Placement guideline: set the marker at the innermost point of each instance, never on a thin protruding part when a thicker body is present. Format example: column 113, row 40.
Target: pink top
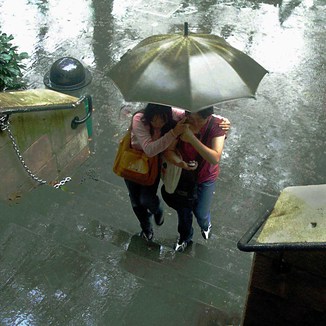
column 152, row 145
column 208, row 172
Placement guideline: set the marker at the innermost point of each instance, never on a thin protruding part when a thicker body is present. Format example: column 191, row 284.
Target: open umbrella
column 189, row 71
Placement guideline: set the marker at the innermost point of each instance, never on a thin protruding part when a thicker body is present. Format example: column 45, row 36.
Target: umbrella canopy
column 189, row 71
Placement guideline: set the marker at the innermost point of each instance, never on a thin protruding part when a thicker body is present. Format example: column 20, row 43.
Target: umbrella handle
column 186, row 30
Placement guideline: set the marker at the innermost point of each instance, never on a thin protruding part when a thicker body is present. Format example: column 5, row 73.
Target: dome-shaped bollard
column 67, row 74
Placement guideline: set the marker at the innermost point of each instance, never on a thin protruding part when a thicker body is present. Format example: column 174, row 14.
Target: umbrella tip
column 186, row 31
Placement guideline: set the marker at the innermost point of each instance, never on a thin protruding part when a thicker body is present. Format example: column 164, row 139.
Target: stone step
column 156, row 252
column 154, row 306
column 221, row 248
column 150, row 262
column 107, row 190
column 79, row 258
column 92, row 215
column 212, row 270
column 215, row 251
column 42, row 282
column 108, row 194
column 84, row 223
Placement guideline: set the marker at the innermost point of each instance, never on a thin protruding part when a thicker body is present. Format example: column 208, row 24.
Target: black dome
column 67, row 74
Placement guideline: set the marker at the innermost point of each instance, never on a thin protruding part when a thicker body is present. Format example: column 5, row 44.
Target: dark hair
column 205, row 113
column 164, row 111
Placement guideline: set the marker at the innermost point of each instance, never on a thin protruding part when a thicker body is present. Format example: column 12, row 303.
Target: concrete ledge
column 47, row 143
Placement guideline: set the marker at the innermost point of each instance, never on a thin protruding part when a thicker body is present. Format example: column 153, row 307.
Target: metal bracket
column 89, row 107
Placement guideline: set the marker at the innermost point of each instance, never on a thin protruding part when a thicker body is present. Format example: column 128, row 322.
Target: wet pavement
column 72, row 257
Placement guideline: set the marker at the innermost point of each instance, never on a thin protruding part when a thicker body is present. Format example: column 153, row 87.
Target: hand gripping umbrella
column 189, row 71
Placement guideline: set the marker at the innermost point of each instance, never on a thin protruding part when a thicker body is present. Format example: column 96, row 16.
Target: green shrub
column 10, row 64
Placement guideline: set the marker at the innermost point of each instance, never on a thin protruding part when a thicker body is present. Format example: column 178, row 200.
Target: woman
column 210, row 151
column 153, row 130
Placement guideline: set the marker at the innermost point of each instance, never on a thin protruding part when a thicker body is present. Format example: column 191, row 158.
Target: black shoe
column 148, row 236
column 158, row 217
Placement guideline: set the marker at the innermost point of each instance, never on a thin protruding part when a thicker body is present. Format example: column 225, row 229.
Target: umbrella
column 189, row 71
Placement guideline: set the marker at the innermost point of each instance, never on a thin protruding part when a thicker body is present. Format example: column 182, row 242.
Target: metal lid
column 67, row 74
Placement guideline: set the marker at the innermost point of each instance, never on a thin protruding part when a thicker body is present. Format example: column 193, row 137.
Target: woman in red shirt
column 191, row 147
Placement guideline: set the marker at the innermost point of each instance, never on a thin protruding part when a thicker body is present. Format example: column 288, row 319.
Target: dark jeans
column 144, row 202
column 201, row 210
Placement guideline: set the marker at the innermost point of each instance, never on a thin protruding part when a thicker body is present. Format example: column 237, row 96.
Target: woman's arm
column 172, row 155
column 211, row 155
column 147, row 144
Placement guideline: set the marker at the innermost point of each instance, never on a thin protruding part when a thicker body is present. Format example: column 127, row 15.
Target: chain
column 4, row 126
column 62, row 182
column 3, row 122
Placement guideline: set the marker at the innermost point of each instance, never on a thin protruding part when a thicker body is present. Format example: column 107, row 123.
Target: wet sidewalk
column 76, row 260
column 73, row 257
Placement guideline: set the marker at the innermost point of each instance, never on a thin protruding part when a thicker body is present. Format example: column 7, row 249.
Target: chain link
column 5, row 126
column 62, row 182
column 3, row 122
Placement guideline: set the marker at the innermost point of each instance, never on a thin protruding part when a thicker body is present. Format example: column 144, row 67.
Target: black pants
column 144, row 202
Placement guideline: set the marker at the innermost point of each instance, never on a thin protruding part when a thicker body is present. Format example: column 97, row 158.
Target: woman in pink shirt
column 153, row 130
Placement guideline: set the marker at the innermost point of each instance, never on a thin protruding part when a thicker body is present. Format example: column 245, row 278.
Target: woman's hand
column 225, row 124
column 190, row 166
column 188, row 135
column 180, row 127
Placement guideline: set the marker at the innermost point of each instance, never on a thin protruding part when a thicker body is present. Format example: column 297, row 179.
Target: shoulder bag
column 170, row 175
column 133, row 164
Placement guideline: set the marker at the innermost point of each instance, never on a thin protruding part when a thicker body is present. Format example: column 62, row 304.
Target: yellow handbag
column 134, row 165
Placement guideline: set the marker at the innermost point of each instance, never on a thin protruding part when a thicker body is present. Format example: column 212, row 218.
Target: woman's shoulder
column 217, row 118
column 137, row 121
column 137, row 117
column 216, row 130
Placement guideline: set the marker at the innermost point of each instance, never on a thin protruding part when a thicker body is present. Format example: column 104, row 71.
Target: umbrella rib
column 246, row 69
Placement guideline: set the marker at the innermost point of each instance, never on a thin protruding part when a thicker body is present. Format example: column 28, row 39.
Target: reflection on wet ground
column 75, row 257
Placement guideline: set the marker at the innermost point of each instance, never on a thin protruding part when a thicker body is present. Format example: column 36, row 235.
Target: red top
column 208, row 172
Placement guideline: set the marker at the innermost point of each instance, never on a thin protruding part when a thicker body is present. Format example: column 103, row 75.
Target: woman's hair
column 206, row 112
column 163, row 111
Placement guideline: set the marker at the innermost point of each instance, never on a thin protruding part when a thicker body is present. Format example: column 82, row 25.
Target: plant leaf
column 5, row 57
column 23, row 55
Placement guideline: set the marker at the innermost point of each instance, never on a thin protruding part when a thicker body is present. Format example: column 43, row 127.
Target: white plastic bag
column 170, row 175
